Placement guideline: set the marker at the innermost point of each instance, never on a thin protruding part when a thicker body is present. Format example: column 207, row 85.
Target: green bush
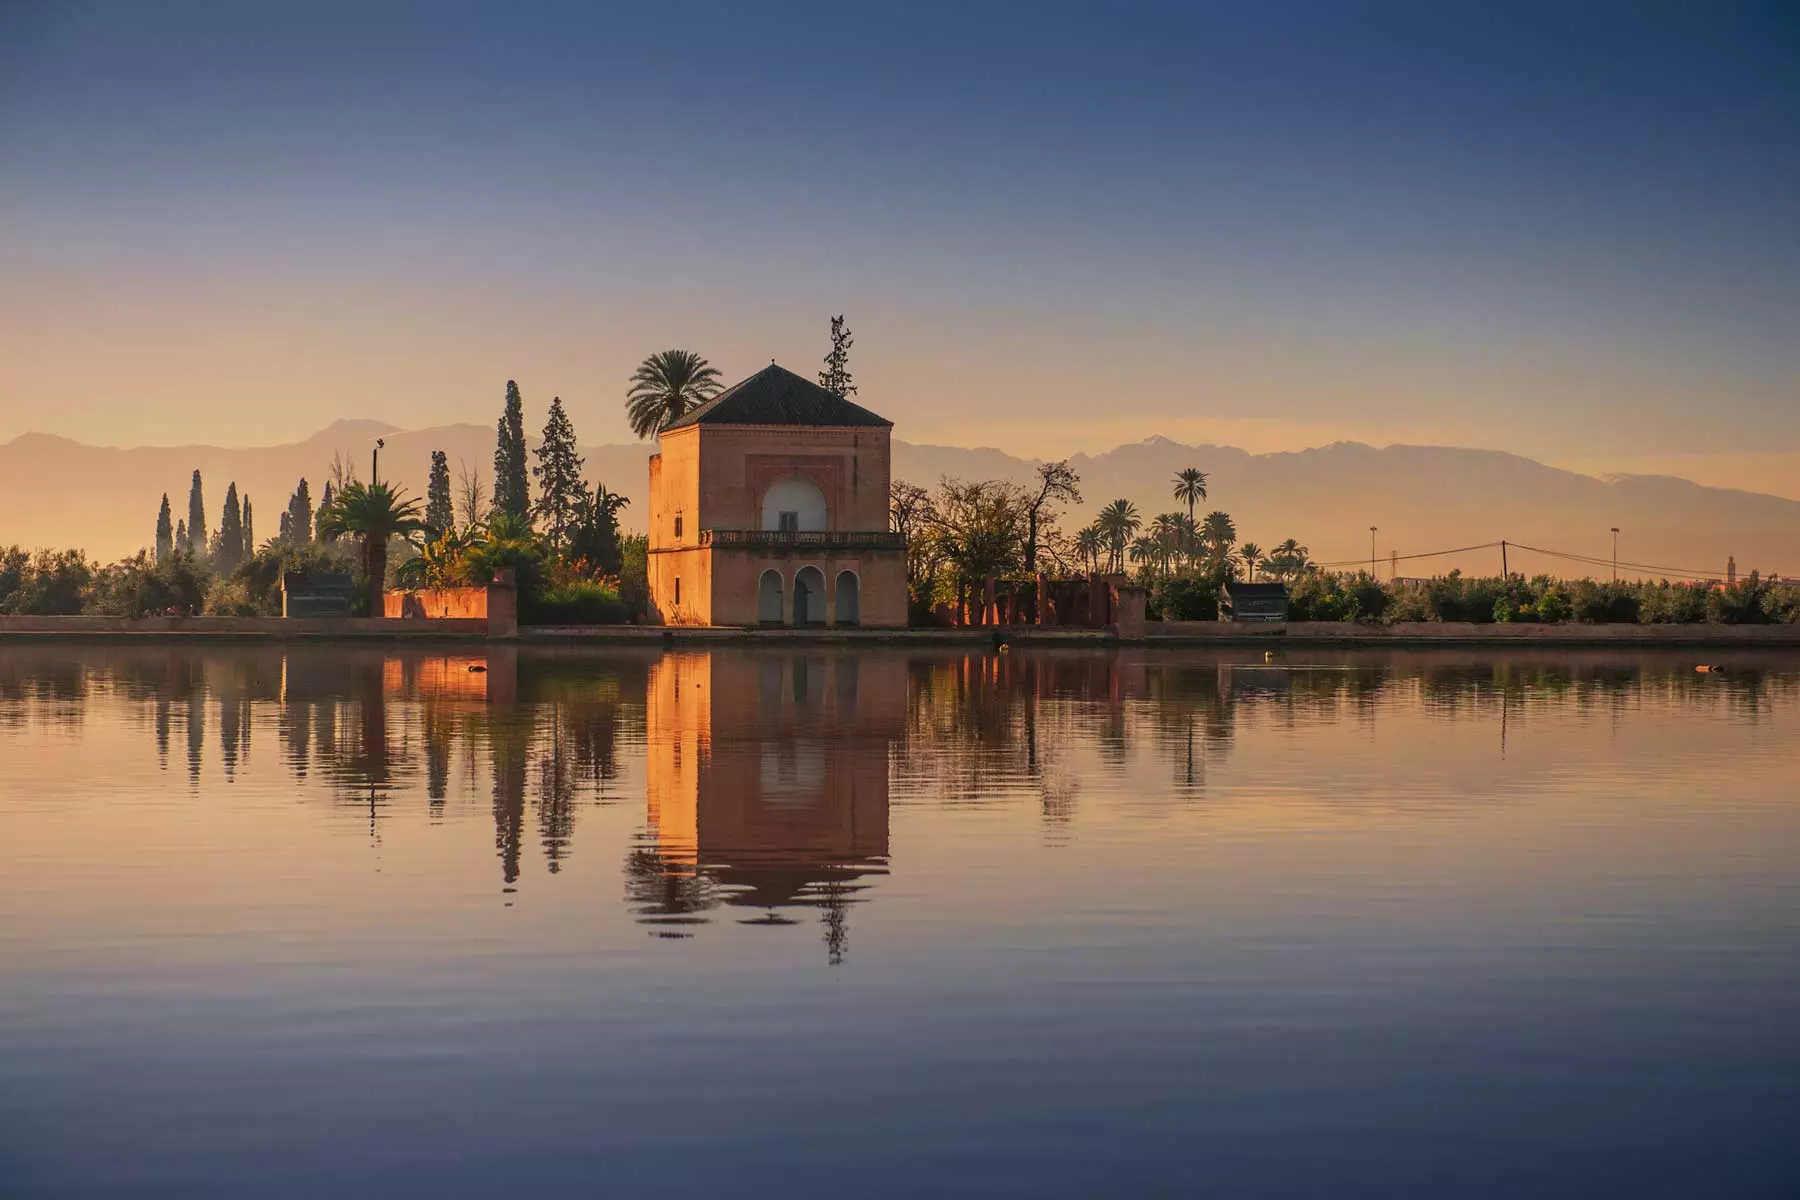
column 1185, row 598
column 1554, row 606
column 49, row 583
column 142, row 587
column 578, row 602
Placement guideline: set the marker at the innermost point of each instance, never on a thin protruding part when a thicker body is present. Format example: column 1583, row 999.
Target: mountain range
column 58, row 492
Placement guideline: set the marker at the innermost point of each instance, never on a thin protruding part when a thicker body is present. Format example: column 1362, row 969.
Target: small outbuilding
column 1261, row 602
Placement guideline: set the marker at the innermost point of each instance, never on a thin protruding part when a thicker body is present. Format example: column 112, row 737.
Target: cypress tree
column 512, row 490
column 165, row 532
column 325, row 503
column 231, row 531
column 249, row 529
column 440, row 511
column 196, row 519
column 297, row 525
column 287, row 527
column 181, row 538
column 562, row 496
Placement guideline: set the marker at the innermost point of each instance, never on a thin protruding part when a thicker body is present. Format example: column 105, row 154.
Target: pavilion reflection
column 766, row 787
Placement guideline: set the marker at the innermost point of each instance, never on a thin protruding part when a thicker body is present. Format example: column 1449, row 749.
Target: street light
column 1371, row 552
column 1615, row 533
column 375, row 462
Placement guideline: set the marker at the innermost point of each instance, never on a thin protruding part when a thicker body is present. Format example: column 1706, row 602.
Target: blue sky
column 1569, row 230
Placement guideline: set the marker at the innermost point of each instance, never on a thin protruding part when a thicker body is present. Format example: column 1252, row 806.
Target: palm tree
column 1087, row 545
column 1219, row 534
column 1168, row 530
column 1190, row 487
column 374, row 512
column 1288, row 559
column 1251, row 554
column 665, row 387
column 1117, row 522
column 1144, row 550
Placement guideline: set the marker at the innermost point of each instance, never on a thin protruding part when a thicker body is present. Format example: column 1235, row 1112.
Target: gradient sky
column 1568, row 230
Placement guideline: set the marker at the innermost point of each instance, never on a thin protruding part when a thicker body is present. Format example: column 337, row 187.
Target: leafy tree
column 297, row 528
column 48, row 583
column 665, row 387
column 835, row 378
column 512, row 489
column 595, row 537
column 1057, row 482
column 440, row 514
column 375, row 513
column 562, row 493
column 142, row 587
column 165, row 532
column 231, row 531
column 471, row 493
column 196, row 518
column 1190, row 487
column 1118, row 522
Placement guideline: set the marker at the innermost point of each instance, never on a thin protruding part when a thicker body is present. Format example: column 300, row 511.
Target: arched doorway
column 768, row 598
column 849, row 602
column 794, row 505
column 809, row 597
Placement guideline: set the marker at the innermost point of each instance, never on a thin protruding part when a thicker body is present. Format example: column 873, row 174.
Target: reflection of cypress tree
column 228, row 729
column 510, row 750
column 661, row 889
column 196, row 730
column 162, row 732
column 325, row 733
column 296, row 734
column 556, row 800
column 835, row 918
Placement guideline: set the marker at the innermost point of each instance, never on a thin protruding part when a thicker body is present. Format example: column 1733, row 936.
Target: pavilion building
column 769, row 506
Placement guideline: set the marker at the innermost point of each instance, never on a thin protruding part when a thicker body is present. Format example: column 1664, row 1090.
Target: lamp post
column 1615, row 533
column 375, row 462
column 1371, row 552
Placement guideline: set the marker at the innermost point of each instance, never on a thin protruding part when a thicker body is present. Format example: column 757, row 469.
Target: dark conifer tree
column 287, row 527
column 231, row 532
column 165, row 532
column 440, row 510
column 325, row 503
column 562, row 495
column 297, row 524
column 835, row 378
column 196, row 519
column 249, row 529
column 181, row 538
column 512, row 489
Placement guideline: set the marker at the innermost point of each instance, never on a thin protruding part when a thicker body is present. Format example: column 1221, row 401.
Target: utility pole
column 1615, row 533
column 1371, row 552
column 1504, row 573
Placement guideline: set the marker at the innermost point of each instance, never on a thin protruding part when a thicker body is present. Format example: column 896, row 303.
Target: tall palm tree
column 1144, row 550
column 1087, row 545
column 374, row 512
column 1288, row 559
column 1117, row 522
column 665, row 387
column 1190, row 487
column 1168, row 531
column 1251, row 555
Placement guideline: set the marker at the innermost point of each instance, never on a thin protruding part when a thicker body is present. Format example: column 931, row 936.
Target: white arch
column 849, row 599
column 799, row 497
column 809, row 596
column 768, row 597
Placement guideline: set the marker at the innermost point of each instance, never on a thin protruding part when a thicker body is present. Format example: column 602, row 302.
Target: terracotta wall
column 694, row 567
column 739, row 462
column 675, row 489
column 437, row 603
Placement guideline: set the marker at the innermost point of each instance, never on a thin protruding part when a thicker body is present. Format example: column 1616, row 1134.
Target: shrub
column 48, row 583
column 142, row 587
column 1185, row 598
column 228, row 598
column 578, row 602
column 1554, row 606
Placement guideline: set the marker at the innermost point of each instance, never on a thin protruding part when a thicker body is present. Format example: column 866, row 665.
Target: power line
column 1587, row 559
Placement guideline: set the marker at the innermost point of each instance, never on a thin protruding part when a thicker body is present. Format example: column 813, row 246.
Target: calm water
column 746, row 923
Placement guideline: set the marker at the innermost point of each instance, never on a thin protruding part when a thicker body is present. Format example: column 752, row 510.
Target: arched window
column 809, row 596
column 768, row 598
column 794, row 505
column 849, row 600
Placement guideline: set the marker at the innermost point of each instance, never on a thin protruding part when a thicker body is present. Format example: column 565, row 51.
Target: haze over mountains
column 59, row 492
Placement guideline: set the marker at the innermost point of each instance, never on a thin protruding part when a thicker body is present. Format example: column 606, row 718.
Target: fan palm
column 1288, row 559
column 665, row 387
column 1219, row 534
column 374, row 512
column 1251, row 555
column 1190, row 487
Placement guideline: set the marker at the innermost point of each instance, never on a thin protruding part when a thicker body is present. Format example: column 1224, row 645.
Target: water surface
column 472, row 922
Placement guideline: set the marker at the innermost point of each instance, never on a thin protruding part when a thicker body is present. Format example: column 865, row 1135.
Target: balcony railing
column 822, row 539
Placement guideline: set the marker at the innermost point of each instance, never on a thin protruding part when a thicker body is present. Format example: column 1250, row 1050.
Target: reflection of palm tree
column 1190, row 487
column 665, row 387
